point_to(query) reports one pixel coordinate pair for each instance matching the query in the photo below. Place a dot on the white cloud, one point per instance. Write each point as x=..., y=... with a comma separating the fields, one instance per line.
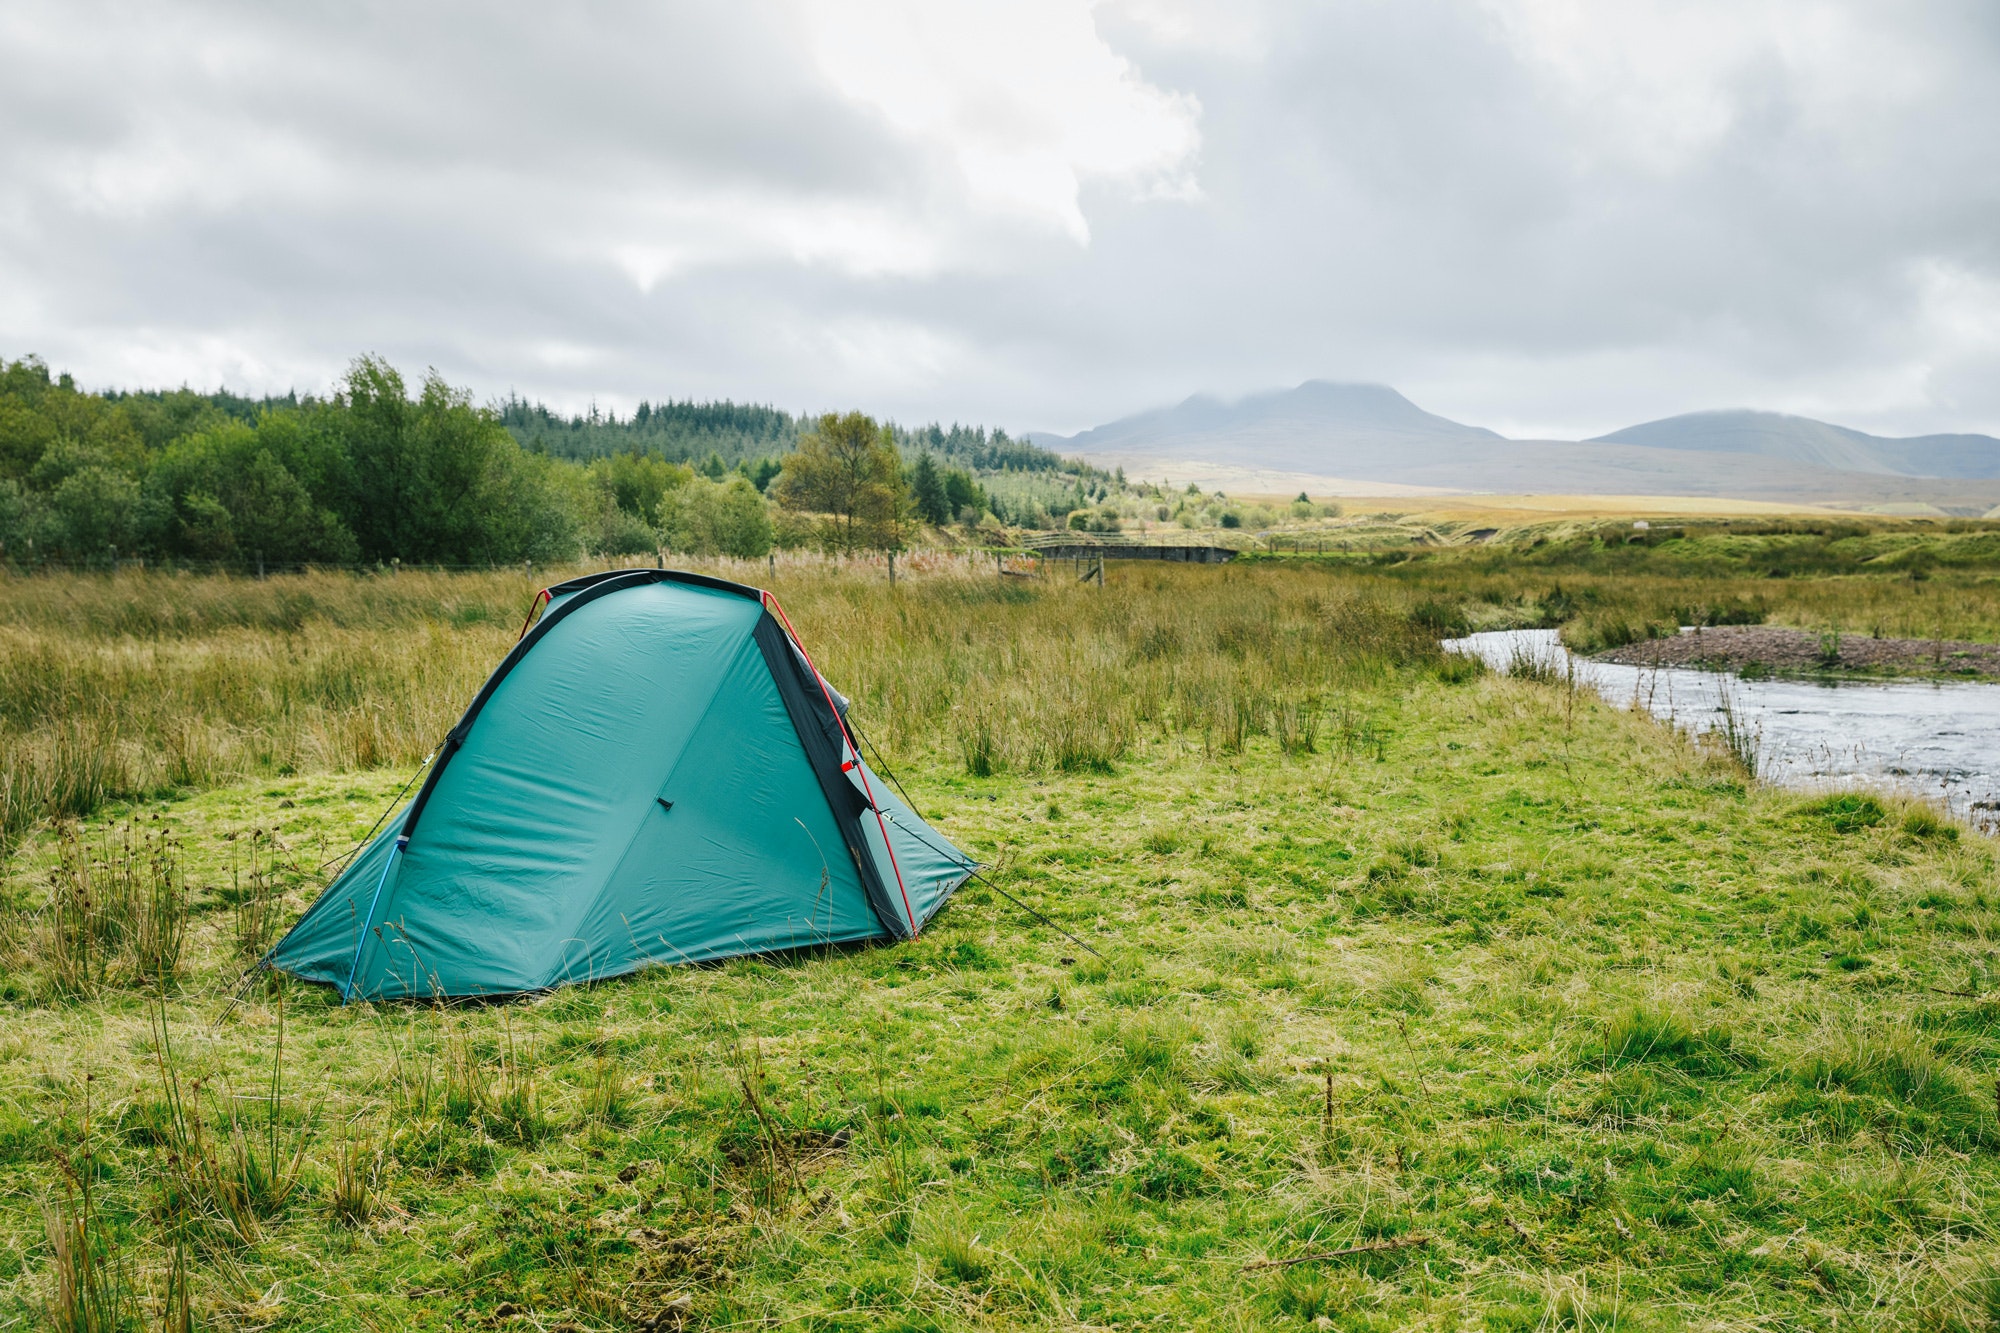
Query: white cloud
x=1024, y=100
x=1543, y=213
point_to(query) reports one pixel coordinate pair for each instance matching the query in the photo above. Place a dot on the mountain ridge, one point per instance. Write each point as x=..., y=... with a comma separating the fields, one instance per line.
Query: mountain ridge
x=1373, y=433
x=1805, y=439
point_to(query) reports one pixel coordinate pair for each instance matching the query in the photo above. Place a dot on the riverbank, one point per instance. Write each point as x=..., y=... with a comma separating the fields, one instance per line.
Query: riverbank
x=1753, y=650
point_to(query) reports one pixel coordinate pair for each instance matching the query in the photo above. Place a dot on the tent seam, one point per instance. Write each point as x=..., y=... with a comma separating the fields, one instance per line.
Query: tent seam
x=639, y=826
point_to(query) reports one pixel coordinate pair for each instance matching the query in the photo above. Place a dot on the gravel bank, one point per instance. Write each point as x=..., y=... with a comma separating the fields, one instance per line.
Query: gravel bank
x=1740, y=647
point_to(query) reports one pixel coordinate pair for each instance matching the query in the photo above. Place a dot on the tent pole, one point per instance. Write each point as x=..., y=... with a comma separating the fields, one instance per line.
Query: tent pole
x=402, y=841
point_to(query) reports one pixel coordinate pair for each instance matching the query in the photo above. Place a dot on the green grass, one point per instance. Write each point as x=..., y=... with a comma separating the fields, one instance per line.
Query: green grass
x=1606, y=585
x=1486, y=964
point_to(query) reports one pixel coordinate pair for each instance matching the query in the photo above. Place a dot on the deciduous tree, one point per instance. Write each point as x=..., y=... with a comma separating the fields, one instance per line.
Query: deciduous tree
x=846, y=470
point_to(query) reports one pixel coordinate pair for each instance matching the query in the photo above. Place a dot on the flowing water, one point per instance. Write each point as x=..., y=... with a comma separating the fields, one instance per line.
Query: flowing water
x=1935, y=739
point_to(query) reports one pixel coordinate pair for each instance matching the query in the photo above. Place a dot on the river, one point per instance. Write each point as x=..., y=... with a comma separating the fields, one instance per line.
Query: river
x=1934, y=739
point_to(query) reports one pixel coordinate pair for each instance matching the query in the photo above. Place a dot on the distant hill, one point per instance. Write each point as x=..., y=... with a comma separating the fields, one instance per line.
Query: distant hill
x=1350, y=436
x=1284, y=428
x=1801, y=439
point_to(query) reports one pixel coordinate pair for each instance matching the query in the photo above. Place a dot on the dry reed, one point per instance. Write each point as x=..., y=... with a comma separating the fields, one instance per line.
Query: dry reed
x=139, y=684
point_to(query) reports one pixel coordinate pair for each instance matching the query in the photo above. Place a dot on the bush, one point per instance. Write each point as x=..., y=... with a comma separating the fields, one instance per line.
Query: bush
x=93, y=512
x=613, y=531
x=731, y=519
x=223, y=494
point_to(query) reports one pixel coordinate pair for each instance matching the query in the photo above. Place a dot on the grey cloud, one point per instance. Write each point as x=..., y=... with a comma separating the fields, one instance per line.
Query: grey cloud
x=1411, y=192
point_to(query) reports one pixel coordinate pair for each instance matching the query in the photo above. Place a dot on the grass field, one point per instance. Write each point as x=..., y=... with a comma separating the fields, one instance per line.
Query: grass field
x=1550, y=1017
x=1607, y=584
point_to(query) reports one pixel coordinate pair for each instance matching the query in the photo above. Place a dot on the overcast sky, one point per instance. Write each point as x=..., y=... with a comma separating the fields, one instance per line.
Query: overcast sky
x=1550, y=217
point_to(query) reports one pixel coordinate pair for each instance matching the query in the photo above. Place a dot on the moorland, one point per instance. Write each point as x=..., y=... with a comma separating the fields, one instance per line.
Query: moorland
x=1362, y=988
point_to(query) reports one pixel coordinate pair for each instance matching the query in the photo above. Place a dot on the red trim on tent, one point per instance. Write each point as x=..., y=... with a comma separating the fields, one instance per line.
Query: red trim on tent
x=533, y=607
x=771, y=603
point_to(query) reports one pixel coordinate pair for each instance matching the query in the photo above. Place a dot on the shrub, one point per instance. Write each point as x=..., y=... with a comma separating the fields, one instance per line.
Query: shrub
x=1718, y=1171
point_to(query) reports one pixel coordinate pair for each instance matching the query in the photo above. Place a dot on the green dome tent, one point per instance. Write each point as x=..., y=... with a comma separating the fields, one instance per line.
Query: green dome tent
x=655, y=774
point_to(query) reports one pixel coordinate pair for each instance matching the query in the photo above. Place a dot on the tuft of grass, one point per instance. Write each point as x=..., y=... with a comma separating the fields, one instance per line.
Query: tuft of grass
x=354, y=1195
x=91, y=1291
x=117, y=911
x=91, y=1285
x=960, y=1258
x=978, y=745
x=1888, y=1080
x=1845, y=812
x=609, y=1098
x=1156, y=1045
x=1643, y=1034
x=1926, y=824
x=85, y=922
x=159, y=912
x=1295, y=725
x=1541, y=667
x=224, y=1167
x=1742, y=741
x=510, y=1106
x=254, y=896
x=1407, y=988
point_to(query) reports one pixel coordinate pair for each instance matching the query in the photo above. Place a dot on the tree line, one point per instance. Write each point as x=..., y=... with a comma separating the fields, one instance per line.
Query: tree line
x=382, y=471
x=725, y=435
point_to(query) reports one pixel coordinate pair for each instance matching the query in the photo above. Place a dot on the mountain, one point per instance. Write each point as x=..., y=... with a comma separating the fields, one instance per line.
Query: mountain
x=1344, y=438
x=1281, y=428
x=1803, y=440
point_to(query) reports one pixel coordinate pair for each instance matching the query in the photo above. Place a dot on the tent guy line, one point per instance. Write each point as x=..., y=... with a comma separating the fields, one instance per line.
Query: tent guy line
x=897, y=782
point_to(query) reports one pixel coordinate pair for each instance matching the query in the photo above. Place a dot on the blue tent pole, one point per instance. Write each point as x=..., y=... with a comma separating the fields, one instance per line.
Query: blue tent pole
x=402, y=841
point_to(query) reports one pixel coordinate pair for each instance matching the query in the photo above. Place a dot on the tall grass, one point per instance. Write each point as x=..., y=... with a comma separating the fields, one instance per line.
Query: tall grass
x=1741, y=739
x=126, y=686
x=226, y=1169
x=116, y=687
x=256, y=896
x=1603, y=599
x=117, y=910
x=1065, y=678
x=92, y=1287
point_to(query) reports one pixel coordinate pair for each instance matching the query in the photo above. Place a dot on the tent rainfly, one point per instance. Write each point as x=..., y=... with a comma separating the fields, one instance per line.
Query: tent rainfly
x=655, y=774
